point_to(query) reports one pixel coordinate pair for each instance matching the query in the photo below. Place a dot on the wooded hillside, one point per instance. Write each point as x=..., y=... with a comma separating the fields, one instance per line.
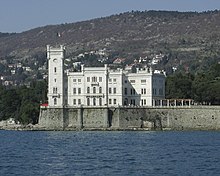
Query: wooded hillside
x=190, y=39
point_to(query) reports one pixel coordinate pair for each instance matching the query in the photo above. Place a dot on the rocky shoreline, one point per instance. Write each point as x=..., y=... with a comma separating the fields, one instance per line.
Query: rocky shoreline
x=36, y=127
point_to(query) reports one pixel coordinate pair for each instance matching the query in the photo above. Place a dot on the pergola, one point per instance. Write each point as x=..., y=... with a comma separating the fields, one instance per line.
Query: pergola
x=172, y=102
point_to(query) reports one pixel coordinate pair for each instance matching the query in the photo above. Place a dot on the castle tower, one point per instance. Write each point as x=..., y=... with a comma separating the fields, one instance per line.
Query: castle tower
x=55, y=56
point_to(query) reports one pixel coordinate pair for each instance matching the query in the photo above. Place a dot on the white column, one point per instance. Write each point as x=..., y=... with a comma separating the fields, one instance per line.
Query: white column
x=153, y=103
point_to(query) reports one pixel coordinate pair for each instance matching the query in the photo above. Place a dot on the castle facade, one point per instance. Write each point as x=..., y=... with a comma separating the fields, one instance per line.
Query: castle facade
x=100, y=86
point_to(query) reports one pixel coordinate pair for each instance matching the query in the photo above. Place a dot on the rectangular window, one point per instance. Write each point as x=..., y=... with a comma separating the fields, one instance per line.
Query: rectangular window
x=79, y=90
x=74, y=90
x=79, y=80
x=132, y=101
x=55, y=90
x=100, y=89
x=114, y=80
x=114, y=90
x=88, y=79
x=88, y=89
x=144, y=101
x=74, y=80
x=110, y=80
x=110, y=101
x=74, y=101
x=144, y=91
x=143, y=81
x=110, y=90
x=55, y=69
x=131, y=91
x=79, y=101
x=94, y=79
x=100, y=79
x=126, y=91
x=115, y=101
x=160, y=91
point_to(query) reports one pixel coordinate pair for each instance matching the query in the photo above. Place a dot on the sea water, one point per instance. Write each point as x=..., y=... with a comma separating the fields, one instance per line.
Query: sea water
x=29, y=153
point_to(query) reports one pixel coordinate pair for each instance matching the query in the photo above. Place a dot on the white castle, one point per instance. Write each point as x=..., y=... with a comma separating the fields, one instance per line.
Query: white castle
x=100, y=86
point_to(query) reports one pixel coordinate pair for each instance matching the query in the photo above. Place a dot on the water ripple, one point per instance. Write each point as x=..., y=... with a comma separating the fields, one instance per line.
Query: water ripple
x=109, y=153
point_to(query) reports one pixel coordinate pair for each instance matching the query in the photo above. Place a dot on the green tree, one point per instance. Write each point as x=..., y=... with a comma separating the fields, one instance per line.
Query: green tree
x=22, y=103
x=200, y=88
x=9, y=104
x=30, y=101
x=179, y=86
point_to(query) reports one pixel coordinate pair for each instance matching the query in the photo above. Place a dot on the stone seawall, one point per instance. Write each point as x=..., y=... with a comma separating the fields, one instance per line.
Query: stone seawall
x=52, y=118
x=195, y=118
x=122, y=118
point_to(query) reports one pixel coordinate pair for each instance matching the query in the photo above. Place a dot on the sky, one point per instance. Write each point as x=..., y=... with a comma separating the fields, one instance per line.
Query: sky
x=23, y=15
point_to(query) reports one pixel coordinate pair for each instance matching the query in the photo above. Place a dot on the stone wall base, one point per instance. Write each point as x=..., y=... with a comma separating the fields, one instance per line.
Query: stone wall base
x=130, y=118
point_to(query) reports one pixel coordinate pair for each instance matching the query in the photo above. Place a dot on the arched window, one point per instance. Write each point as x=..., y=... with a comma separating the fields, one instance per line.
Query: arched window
x=88, y=102
x=55, y=101
x=100, y=101
x=94, y=90
x=88, y=90
x=94, y=102
x=125, y=101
